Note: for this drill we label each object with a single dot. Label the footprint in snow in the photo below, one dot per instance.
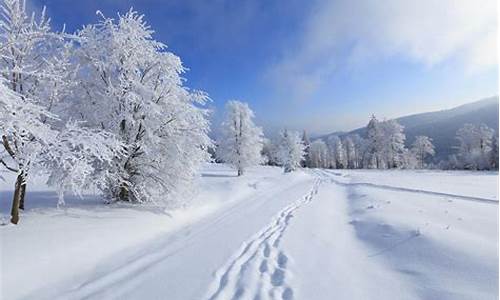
(263, 266)
(267, 250)
(282, 260)
(287, 294)
(278, 277)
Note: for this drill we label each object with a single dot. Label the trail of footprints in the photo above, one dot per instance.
(259, 271)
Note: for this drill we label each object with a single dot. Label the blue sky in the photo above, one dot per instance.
(320, 65)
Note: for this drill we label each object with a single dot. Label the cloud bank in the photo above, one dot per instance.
(427, 32)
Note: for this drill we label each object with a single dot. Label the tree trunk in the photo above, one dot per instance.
(123, 196)
(240, 172)
(21, 196)
(14, 213)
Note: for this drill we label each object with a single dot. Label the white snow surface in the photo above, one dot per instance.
(310, 234)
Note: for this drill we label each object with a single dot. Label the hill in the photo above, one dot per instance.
(442, 125)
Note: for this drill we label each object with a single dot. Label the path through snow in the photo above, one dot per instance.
(260, 266)
(314, 234)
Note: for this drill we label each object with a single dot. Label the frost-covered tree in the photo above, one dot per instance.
(25, 67)
(422, 147)
(393, 145)
(305, 140)
(81, 158)
(494, 152)
(332, 157)
(318, 154)
(37, 136)
(475, 146)
(360, 147)
(385, 147)
(131, 87)
(354, 149)
(24, 137)
(453, 163)
(410, 160)
(336, 153)
(290, 150)
(350, 151)
(241, 141)
(374, 157)
(270, 152)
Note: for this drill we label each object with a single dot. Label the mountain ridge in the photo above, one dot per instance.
(442, 125)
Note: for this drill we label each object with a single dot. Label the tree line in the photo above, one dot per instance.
(382, 147)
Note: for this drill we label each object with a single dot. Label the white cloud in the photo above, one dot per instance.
(429, 32)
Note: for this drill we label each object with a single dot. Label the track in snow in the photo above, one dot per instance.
(259, 270)
(331, 175)
(113, 278)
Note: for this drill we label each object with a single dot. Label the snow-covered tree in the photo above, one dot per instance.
(290, 150)
(451, 163)
(305, 140)
(270, 152)
(23, 66)
(131, 87)
(350, 151)
(337, 154)
(332, 157)
(354, 149)
(360, 146)
(24, 137)
(374, 157)
(393, 146)
(410, 160)
(318, 154)
(36, 135)
(385, 147)
(475, 146)
(241, 141)
(81, 158)
(422, 146)
(494, 153)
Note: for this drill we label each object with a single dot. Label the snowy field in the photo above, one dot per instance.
(311, 234)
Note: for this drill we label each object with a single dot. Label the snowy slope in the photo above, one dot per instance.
(313, 234)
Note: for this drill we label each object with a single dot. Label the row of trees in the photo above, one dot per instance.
(477, 149)
(105, 106)
(383, 147)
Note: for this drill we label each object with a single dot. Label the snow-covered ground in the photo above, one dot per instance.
(312, 234)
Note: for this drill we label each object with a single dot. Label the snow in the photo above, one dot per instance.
(309, 234)
(460, 183)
